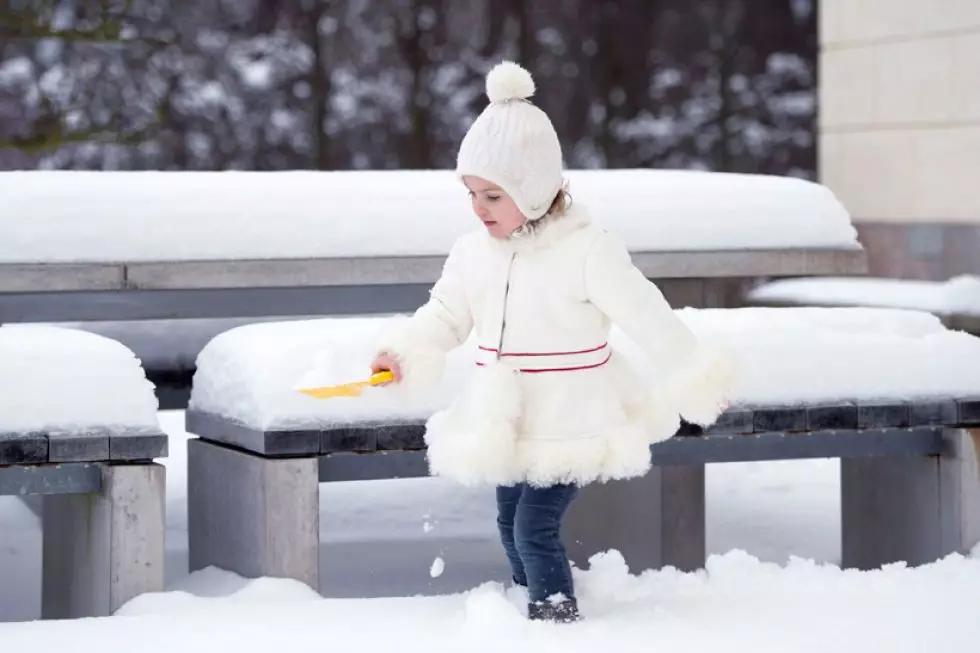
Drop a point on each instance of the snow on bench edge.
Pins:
(957, 296)
(793, 355)
(174, 216)
(65, 380)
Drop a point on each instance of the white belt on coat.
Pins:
(559, 361)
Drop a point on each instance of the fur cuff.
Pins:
(422, 363)
(702, 387)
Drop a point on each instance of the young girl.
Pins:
(551, 406)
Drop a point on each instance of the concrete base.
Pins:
(251, 515)
(960, 486)
(914, 510)
(101, 550)
(655, 521)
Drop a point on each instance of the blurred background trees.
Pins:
(346, 84)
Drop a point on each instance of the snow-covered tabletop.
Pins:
(788, 356)
(72, 396)
(76, 216)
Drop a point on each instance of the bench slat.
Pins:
(137, 446)
(97, 445)
(267, 443)
(832, 417)
(969, 411)
(358, 438)
(779, 418)
(407, 437)
(23, 448)
(78, 447)
(884, 415)
(932, 413)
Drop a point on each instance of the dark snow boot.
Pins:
(562, 612)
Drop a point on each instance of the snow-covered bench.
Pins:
(955, 301)
(78, 429)
(306, 243)
(892, 394)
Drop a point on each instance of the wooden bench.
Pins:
(99, 493)
(909, 483)
(103, 510)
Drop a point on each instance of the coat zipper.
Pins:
(503, 312)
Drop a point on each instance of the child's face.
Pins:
(494, 207)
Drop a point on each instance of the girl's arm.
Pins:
(420, 343)
(701, 375)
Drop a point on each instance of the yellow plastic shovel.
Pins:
(348, 389)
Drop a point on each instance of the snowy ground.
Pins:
(381, 538)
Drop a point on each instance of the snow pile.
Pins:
(737, 604)
(251, 373)
(796, 355)
(165, 344)
(68, 380)
(957, 296)
(787, 355)
(167, 216)
(213, 586)
(438, 567)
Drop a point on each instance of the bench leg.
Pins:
(654, 521)
(960, 484)
(101, 550)
(251, 515)
(914, 510)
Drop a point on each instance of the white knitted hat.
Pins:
(513, 143)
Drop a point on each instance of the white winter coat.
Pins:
(549, 400)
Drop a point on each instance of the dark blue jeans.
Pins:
(529, 520)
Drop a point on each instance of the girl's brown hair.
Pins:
(559, 206)
(561, 203)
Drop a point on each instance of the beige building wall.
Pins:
(900, 129)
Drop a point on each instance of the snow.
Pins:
(959, 295)
(164, 344)
(769, 586)
(737, 604)
(438, 567)
(77, 216)
(251, 373)
(787, 355)
(68, 380)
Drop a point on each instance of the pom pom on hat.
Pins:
(513, 144)
(509, 81)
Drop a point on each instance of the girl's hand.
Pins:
(385, 362)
